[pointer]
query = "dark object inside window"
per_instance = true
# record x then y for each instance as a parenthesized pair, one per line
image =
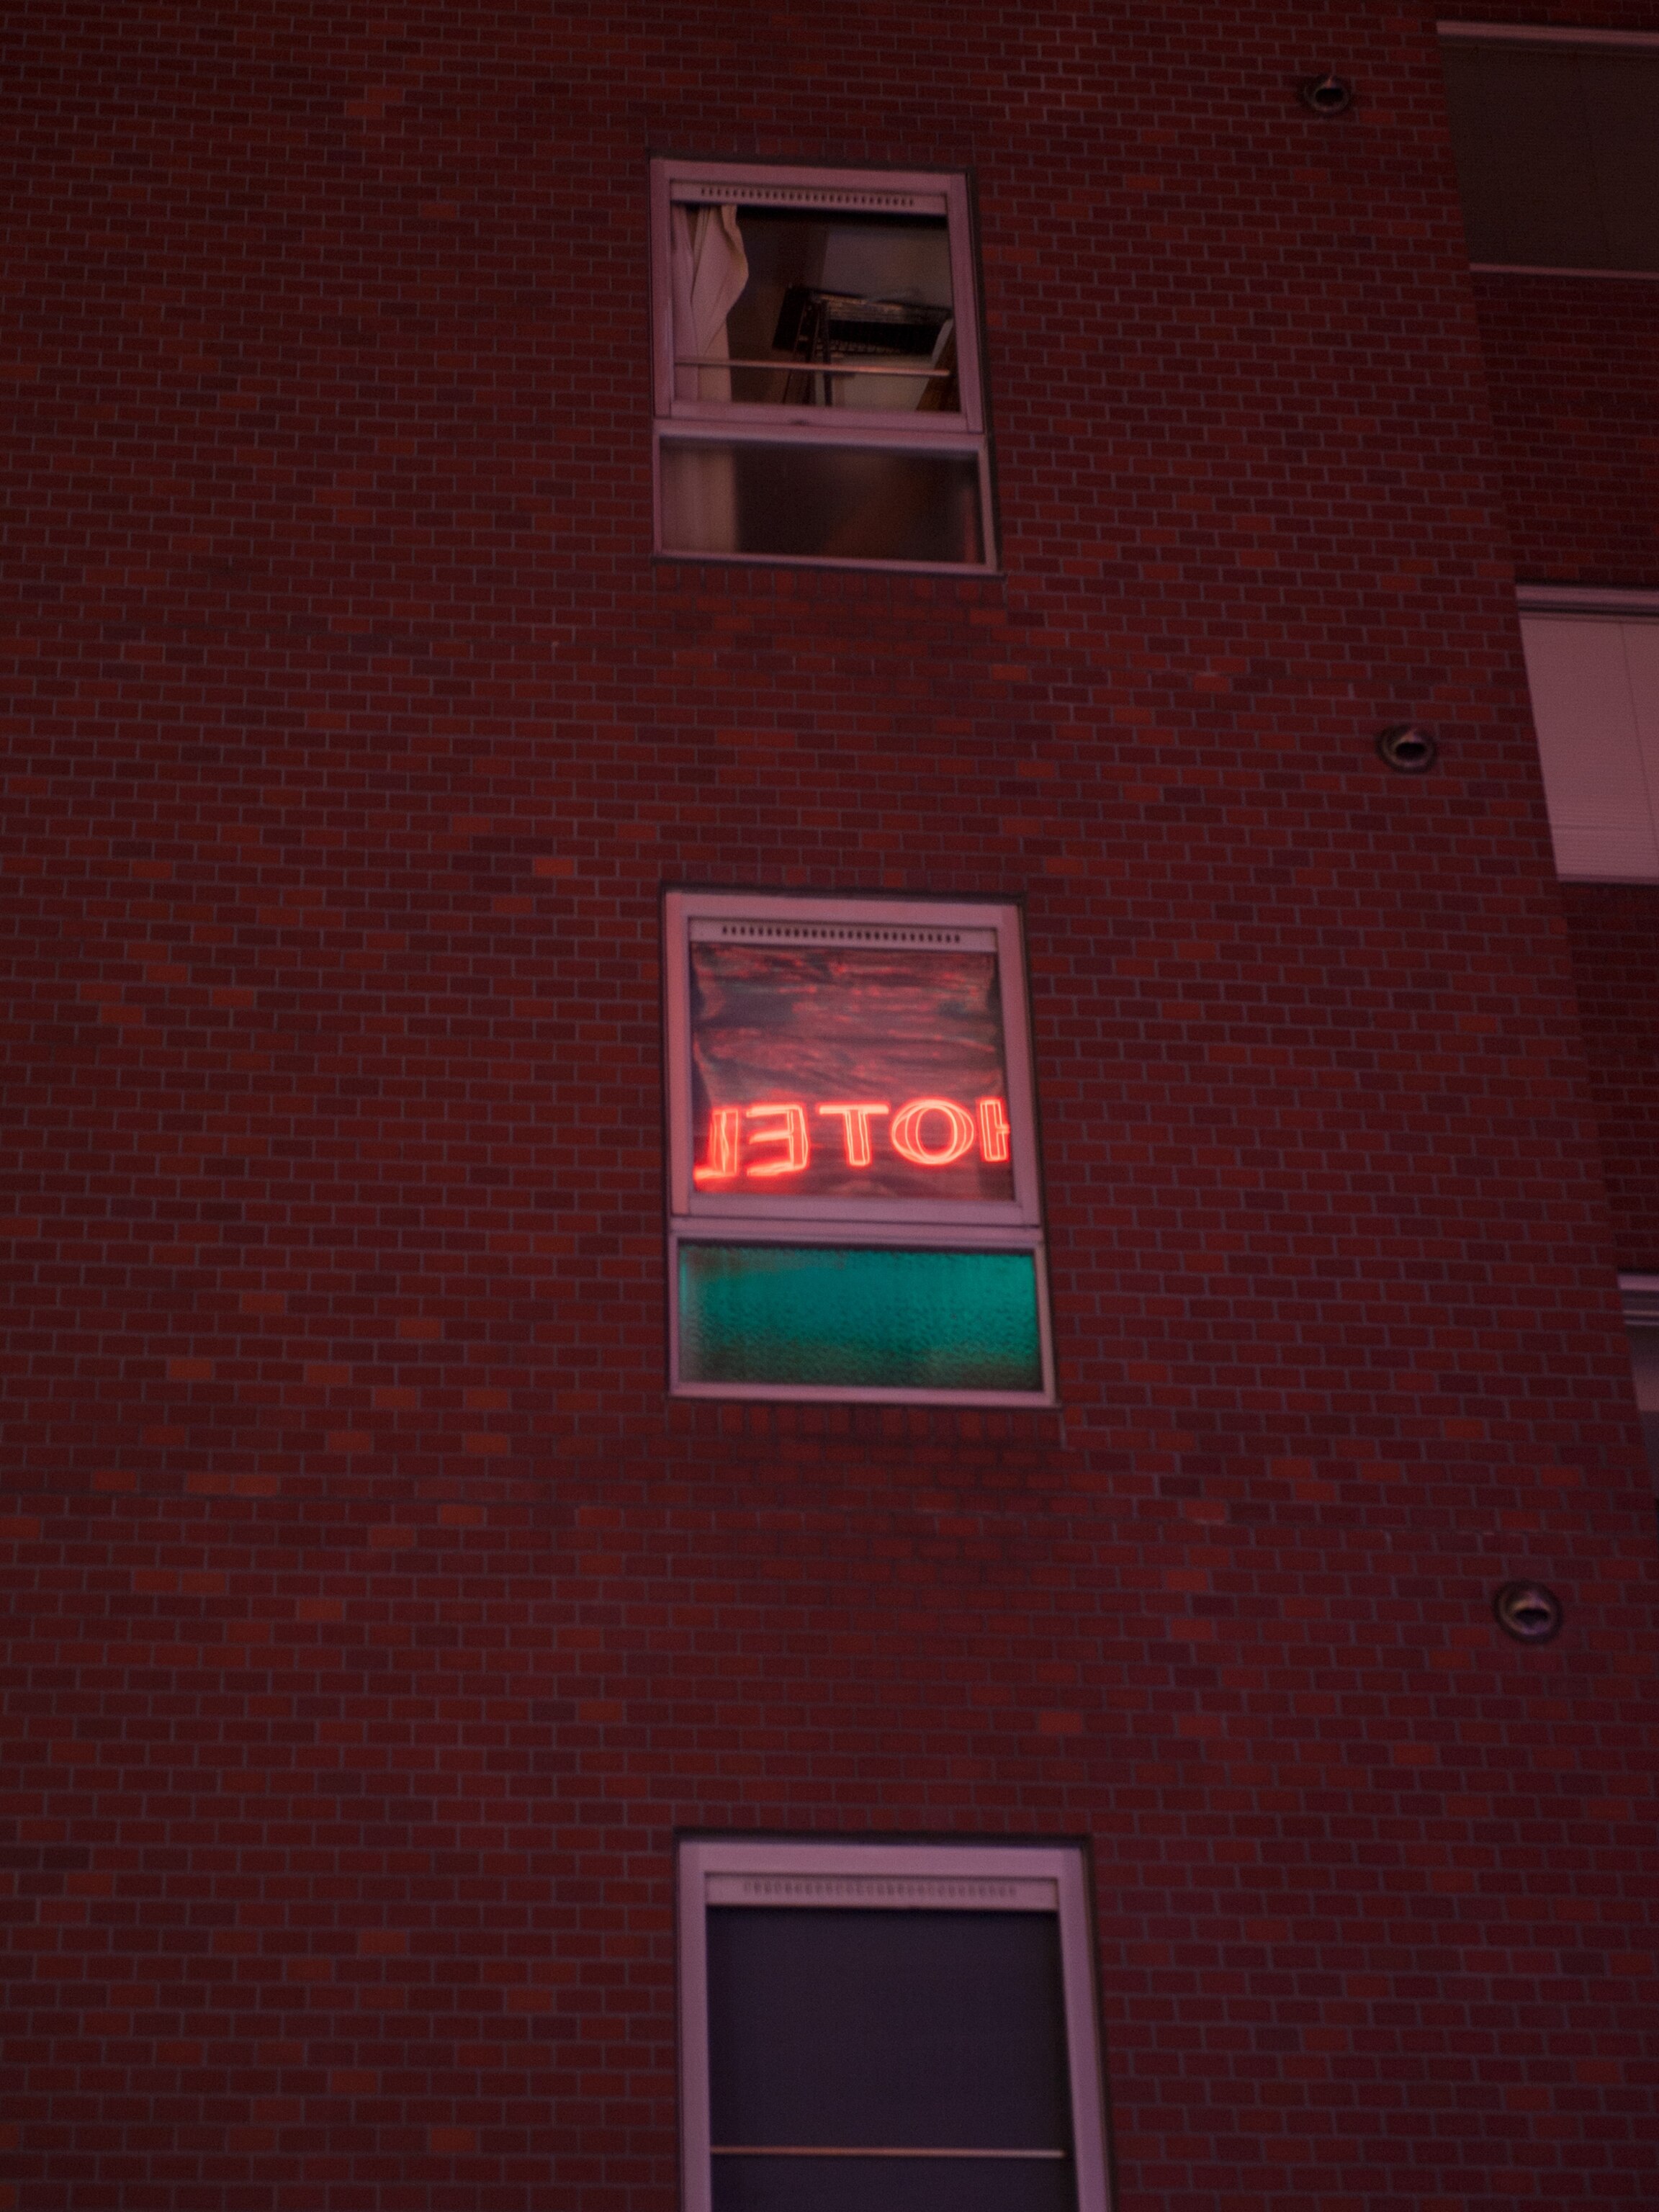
(859, 337)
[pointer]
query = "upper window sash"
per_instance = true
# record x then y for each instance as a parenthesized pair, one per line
(704, 184)
(783, 1212)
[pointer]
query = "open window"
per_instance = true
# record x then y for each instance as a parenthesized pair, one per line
(888, 2027)
(817, 374)
(855, 1209)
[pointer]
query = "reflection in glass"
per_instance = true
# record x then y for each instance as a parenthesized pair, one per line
(821, 502)
(823, 1024)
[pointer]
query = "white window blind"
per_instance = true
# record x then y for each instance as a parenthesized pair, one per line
(1594, 682)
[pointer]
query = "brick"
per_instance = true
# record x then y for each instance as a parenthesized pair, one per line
(351, 735)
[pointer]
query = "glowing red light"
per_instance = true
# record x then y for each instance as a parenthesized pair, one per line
(906, 1130)
(782, 1122)
(855, 1129)
(790, 1133)
(721, 1163)
(992, 1129)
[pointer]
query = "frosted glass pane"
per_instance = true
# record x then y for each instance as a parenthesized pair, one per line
(824, 503)
(859, 1318)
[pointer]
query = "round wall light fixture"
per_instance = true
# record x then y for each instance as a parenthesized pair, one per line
(1329, 95)
(1408, 748)
(1530, 1612)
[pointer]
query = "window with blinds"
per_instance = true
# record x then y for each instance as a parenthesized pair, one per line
(888, 2028)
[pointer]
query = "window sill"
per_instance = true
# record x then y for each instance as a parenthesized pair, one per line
(1540, 269)
(961, 569)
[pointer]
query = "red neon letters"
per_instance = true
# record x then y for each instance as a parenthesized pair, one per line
(722, 1164)
(992, 1129)
(929, 1132)
(855, 1129)
(790, 1131)
(906, 1131)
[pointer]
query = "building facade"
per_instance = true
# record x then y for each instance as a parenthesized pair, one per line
(406, 595)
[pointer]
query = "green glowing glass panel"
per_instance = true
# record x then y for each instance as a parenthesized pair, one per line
(854, 1318)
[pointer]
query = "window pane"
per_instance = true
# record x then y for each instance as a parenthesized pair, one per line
(1620, 103)
(869, 1032)
(824, 503)
(1588, 717)
(1557, 154)
(825, 287)
(1645, 1369)
(1525, 169)
(887, 2029)
(854, 1318)
(860, 2184)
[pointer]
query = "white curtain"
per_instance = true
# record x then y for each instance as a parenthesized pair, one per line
(708, 270)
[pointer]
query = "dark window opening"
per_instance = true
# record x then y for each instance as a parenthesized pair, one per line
(1558, 154)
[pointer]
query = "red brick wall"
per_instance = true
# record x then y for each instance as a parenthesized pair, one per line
(1573, 366)
(373, 1619)
(1615, 953)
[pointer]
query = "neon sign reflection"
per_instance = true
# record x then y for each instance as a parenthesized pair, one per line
(928, 1132)
(863, 1072)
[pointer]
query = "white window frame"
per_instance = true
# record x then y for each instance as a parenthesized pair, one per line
(964, 433)
(899, 1877)
(1603, 790)
(737, 1216)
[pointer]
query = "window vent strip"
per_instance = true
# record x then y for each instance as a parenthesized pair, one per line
(897, 1891)
(806, 933)
(750, 192)
(861, 2150)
